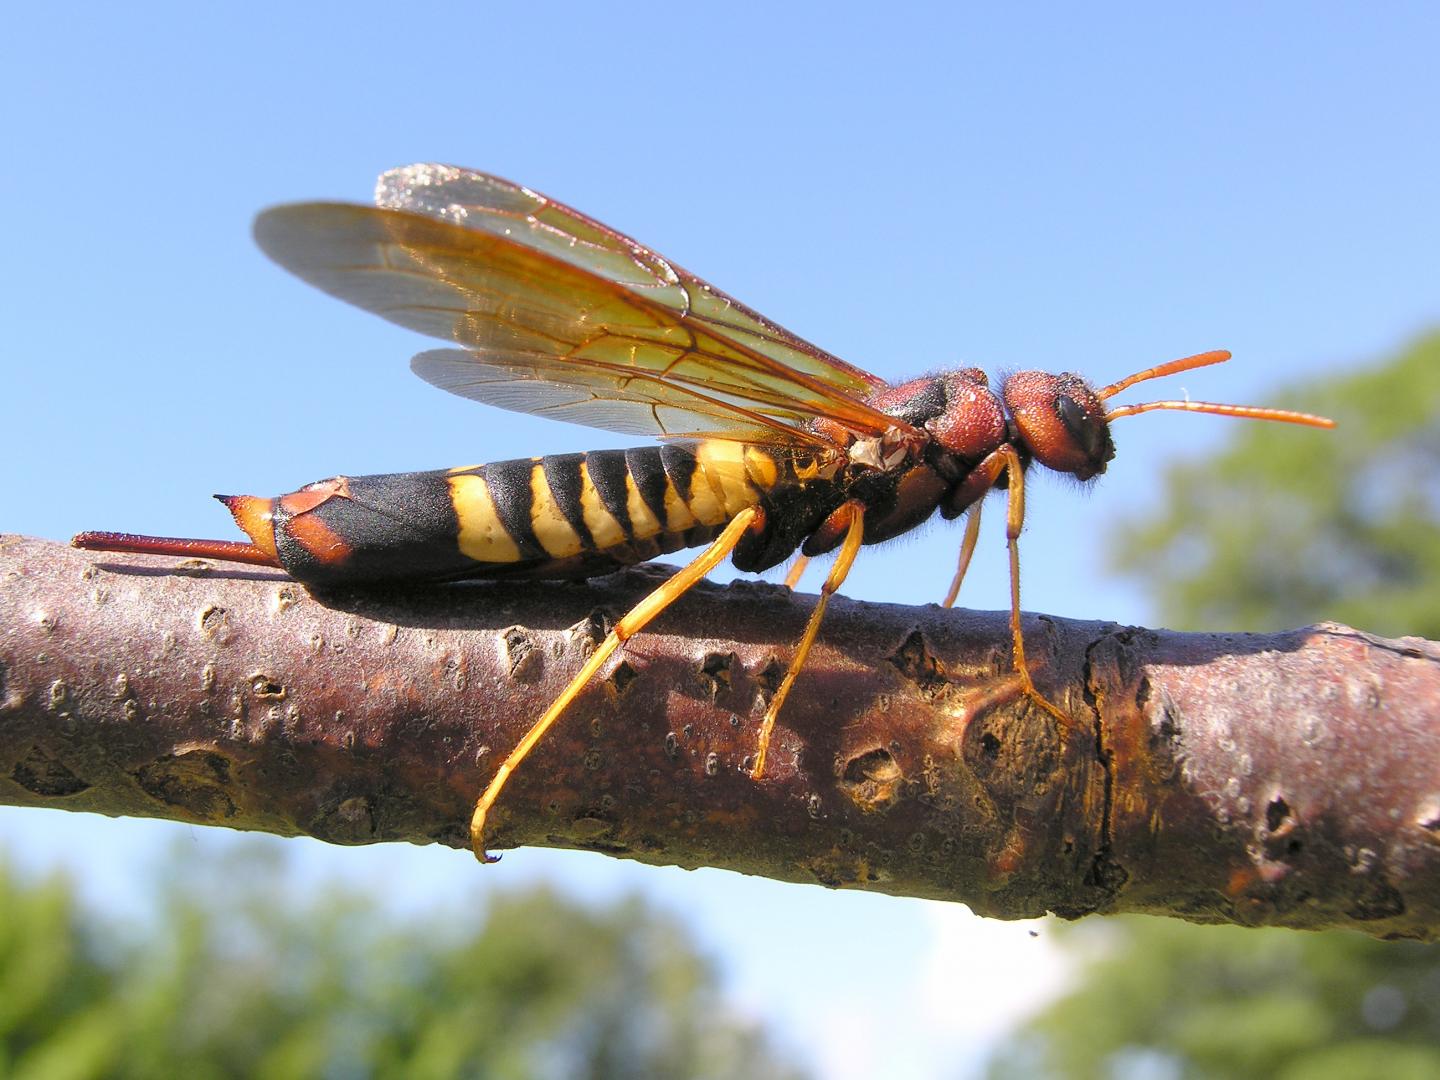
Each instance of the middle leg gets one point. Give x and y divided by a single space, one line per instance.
854 511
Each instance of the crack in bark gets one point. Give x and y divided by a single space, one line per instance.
1105 873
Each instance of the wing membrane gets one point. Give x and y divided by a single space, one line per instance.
642 404
520 307
490 204
529 284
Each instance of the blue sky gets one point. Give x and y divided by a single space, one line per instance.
1094 188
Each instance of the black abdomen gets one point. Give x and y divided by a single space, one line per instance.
564 515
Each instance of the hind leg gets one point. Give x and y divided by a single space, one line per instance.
634 621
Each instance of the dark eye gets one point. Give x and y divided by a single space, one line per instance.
1072 416
1086 434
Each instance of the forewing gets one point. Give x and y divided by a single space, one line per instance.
491 204
515 305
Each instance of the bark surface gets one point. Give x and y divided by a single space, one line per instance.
1289 779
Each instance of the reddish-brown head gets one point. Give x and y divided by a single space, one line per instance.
1060 421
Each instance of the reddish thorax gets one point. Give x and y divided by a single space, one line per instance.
1057 420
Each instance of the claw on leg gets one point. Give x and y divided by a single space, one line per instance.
1007 461
634 621
1022 668
1014 521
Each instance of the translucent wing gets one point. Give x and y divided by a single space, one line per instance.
632 404
490 204
537 317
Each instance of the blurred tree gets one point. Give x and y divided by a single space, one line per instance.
1287 526
1275 531
1159 999
51 977
227 982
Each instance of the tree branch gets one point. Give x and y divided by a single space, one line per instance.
1289 779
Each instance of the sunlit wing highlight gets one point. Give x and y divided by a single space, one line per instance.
491 204
518 307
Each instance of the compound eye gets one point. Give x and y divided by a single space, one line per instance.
1087 435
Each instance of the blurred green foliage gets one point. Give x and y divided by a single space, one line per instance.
1164 1000
239 975
1290 524
1285 527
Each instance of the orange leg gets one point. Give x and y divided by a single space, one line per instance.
967 551
797 570
1014 521
634 621
1006 461
854 534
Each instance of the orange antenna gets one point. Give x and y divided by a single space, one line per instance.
1250 412
1190 363
1187 363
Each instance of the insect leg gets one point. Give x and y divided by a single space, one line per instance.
854 535
634 621
792 578
967 550
1014 520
